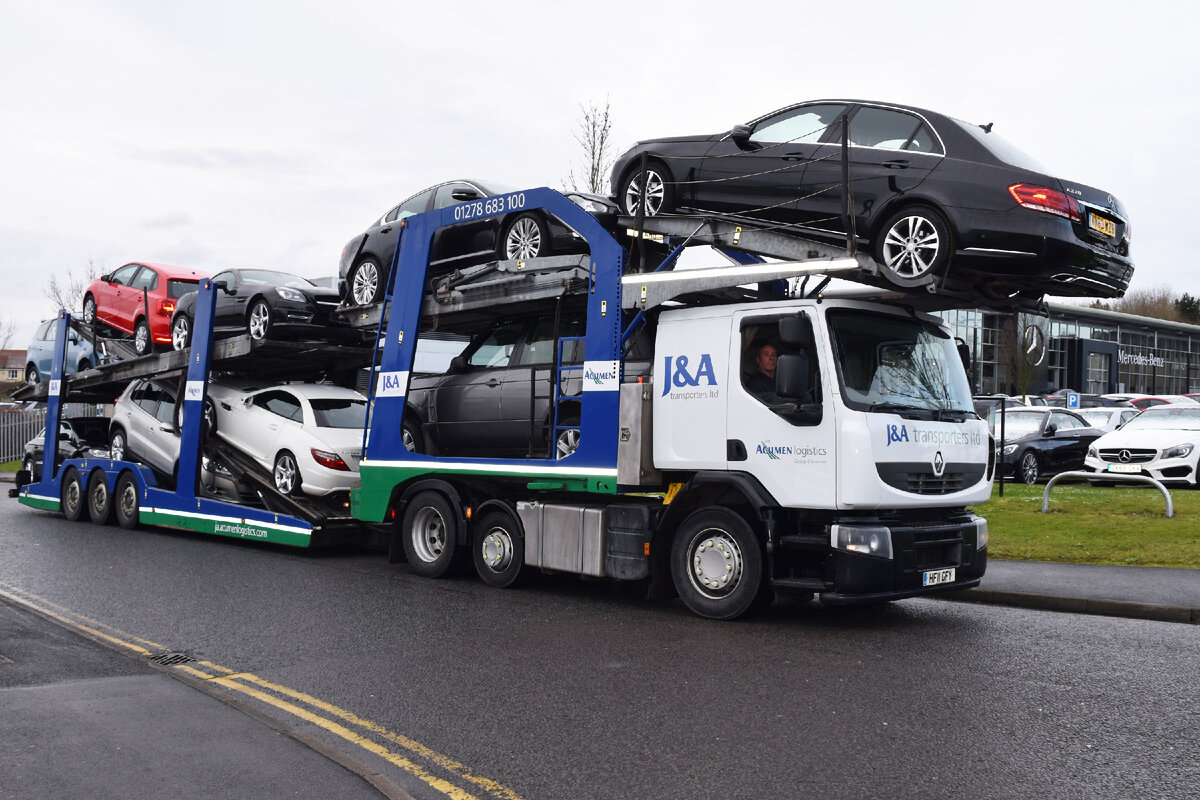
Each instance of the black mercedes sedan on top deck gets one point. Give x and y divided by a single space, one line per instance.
264 303
929 193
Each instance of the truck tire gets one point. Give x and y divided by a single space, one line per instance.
72 495
126 500
717 564
429 534
498 548
99 498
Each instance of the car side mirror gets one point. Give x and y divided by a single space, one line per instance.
64 437
72 337
463 195
1051 429
224 287
458 364
106 277
740 134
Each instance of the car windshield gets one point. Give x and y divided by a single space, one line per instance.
1001 149
1020 423
268 277
888 362
1095 418
91 429
339 412
1180 418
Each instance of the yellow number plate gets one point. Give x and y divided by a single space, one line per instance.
1105 226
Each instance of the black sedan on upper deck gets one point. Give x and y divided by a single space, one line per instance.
264 303
926 191
367 258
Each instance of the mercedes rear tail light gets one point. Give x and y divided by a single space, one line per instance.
1051 201
329 460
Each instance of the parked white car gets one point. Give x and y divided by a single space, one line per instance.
1107 418
309 436
1162 442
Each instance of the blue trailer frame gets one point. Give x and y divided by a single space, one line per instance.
68 486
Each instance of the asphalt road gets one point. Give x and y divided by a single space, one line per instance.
581 689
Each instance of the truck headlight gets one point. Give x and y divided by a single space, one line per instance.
1178 451
873 540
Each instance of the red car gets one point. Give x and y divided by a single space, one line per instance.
139 299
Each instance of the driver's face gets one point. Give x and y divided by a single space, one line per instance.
767 358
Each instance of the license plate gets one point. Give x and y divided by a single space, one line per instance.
1134 468
1105 226
937 576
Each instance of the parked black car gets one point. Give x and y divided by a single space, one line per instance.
266 304
1040 442
366 259
925 189
77 436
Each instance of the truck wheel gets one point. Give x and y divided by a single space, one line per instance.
99 499
527 236
717 563
125 501
913 246
143 345
660 194
72 495
498 546
429 534
366 283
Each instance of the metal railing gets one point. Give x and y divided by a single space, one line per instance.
1106 476
19 425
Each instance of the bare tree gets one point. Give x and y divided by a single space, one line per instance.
67 292
8 329
592 131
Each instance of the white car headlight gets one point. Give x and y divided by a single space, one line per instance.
1092 452
289 294
1178 451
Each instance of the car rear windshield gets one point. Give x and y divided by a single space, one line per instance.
177 288
339 413
91 430
1001 149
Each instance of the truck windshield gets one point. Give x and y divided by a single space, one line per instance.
892 363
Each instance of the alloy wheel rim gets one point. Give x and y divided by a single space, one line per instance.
567 443
366 281
715 563
524 239
118 447
179 333
260 317
655 192
285 475
89 312
911 246
141 339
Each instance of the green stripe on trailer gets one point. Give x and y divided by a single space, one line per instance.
228 526
370 502
37 501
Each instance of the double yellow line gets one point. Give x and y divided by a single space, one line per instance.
396 749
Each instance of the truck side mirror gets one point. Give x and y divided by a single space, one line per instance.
791 377
964 354
796 331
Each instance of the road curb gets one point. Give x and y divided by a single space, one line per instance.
1079 605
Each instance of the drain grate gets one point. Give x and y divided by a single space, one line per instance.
171 659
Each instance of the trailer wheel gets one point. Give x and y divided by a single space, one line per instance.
99 499
526 236
125 501
143 345
717 564
72 495
286 473
660 194
429 534
913 246
498 547
366 282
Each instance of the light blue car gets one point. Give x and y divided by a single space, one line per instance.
40 357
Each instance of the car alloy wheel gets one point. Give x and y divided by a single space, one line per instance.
914 246
141 338
259 322
89 310
526 237
181 332
286 473
116 445
657 193
1029 468
31 375
364 285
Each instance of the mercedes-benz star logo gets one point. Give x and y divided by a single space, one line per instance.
1125 456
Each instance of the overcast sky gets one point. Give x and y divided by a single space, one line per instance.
267 133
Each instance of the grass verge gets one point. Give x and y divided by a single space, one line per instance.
1123 525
